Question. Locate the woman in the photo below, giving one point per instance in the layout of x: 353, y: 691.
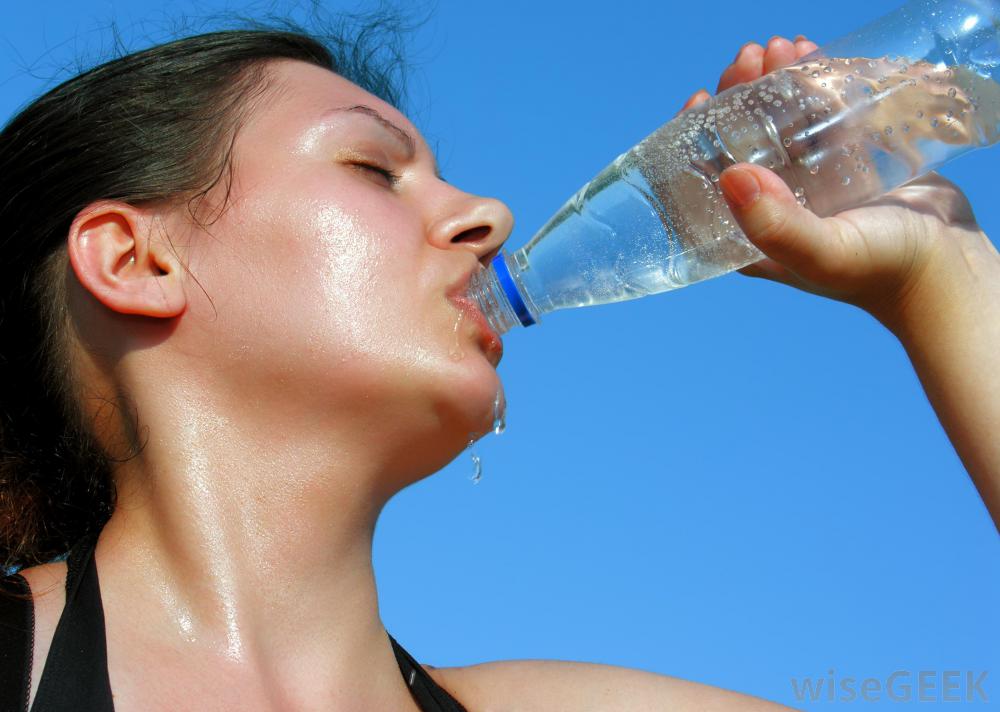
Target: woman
x: 245, y: 279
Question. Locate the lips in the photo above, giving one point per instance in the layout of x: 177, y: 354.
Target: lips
x: 488, y: 339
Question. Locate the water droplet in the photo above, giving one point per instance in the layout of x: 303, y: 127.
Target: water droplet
x: 814, y: 169
x: 477, y: 468
x: 846, y: 180
x: 787, y: 141
x: 952, y: 92
x: 456, y: 352
x: 499, y: 413
x: 815, y: 75
x: 934, y: 123
x: 848, y: 79
x: 801, y: 200
x: 828, y: 69
x: 799, y: 192
x: 920, y: 114
x: 906, y: 128
x: 888, y: 130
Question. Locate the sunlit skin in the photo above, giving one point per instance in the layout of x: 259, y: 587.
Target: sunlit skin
x: 304, y: 368
x: 308, y: 366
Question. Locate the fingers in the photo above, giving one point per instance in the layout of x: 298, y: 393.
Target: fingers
x: 780, y: 53
x: 696, y: 98
x: 747, y: 66
x: 753, y: 61
x: 810, y: 247
x: 803, y: 46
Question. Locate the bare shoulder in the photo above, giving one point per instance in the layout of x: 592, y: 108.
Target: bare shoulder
x: 48, y: 593
x: 558, y: 686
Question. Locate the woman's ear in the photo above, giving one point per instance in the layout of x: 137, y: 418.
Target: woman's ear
x: 119, y: 257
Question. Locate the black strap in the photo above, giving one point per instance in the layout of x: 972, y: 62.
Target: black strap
x: 17, y: 632
x: 429, y: 695
x: 75, y: 676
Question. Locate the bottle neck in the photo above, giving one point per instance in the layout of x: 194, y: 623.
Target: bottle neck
x: 498, y: 297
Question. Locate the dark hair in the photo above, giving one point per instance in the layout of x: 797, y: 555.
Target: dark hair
x: 154, y: 126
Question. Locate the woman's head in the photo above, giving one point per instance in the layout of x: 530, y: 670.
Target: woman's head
x: 226, y: 210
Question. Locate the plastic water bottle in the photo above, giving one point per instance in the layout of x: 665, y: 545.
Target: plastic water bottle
x: 858, y: 117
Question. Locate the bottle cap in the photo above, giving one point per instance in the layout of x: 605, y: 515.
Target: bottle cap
x: 506, y: 281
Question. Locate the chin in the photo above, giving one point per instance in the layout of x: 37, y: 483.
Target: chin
x: 461, y: 409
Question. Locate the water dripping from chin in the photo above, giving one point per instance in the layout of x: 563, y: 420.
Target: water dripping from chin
x: 499, y: 425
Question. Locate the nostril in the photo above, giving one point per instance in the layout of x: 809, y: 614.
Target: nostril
x: 472, y: 234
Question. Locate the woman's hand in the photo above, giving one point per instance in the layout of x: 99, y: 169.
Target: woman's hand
x: 915, y: 259
x: 874, y: 256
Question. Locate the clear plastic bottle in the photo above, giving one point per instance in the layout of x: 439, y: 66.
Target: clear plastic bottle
x: 858, y: 117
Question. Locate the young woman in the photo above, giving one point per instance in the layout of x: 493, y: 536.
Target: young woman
x: 230, y: 282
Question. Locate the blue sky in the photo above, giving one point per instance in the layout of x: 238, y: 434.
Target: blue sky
x: 735, y: 483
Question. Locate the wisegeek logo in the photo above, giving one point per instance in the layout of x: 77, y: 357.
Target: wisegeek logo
x: 901, y: 686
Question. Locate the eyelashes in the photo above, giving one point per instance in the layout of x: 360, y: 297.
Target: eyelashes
x: 387, y: 175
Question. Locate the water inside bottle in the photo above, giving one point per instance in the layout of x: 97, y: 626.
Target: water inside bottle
x: 839, y: 131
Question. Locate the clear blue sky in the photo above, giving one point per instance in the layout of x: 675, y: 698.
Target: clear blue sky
x: 735, y: 483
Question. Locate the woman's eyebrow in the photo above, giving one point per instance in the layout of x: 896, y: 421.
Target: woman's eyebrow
x: 405, y: 138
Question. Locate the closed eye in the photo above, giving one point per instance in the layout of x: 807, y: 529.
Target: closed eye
x: 390, y: 177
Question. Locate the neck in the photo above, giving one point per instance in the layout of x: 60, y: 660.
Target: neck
x: 243, y: 547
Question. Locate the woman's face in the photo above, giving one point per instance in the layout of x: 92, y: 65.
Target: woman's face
x: 336, y: 274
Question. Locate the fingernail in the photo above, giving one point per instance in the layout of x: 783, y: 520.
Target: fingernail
x: 799, y: 38
x: 740, y: 186
x: 740, y: 51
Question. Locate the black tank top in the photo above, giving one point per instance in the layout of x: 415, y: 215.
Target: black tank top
x: 75, y: 676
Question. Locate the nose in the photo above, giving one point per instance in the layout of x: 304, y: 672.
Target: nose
x: 473, y: 223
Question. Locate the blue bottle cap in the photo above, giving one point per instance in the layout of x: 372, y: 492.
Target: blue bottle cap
x: 506, y: 280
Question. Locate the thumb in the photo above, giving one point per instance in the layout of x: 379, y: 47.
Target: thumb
x: 772, y: 219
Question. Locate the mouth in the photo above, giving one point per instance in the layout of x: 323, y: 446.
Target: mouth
x: 489, y: 341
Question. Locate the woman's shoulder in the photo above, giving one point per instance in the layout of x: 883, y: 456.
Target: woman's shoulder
x: 546, y: 685
x: 48, y: 593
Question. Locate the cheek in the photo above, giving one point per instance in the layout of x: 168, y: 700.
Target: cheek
x: 346, y: 267
x: 355, y: 286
